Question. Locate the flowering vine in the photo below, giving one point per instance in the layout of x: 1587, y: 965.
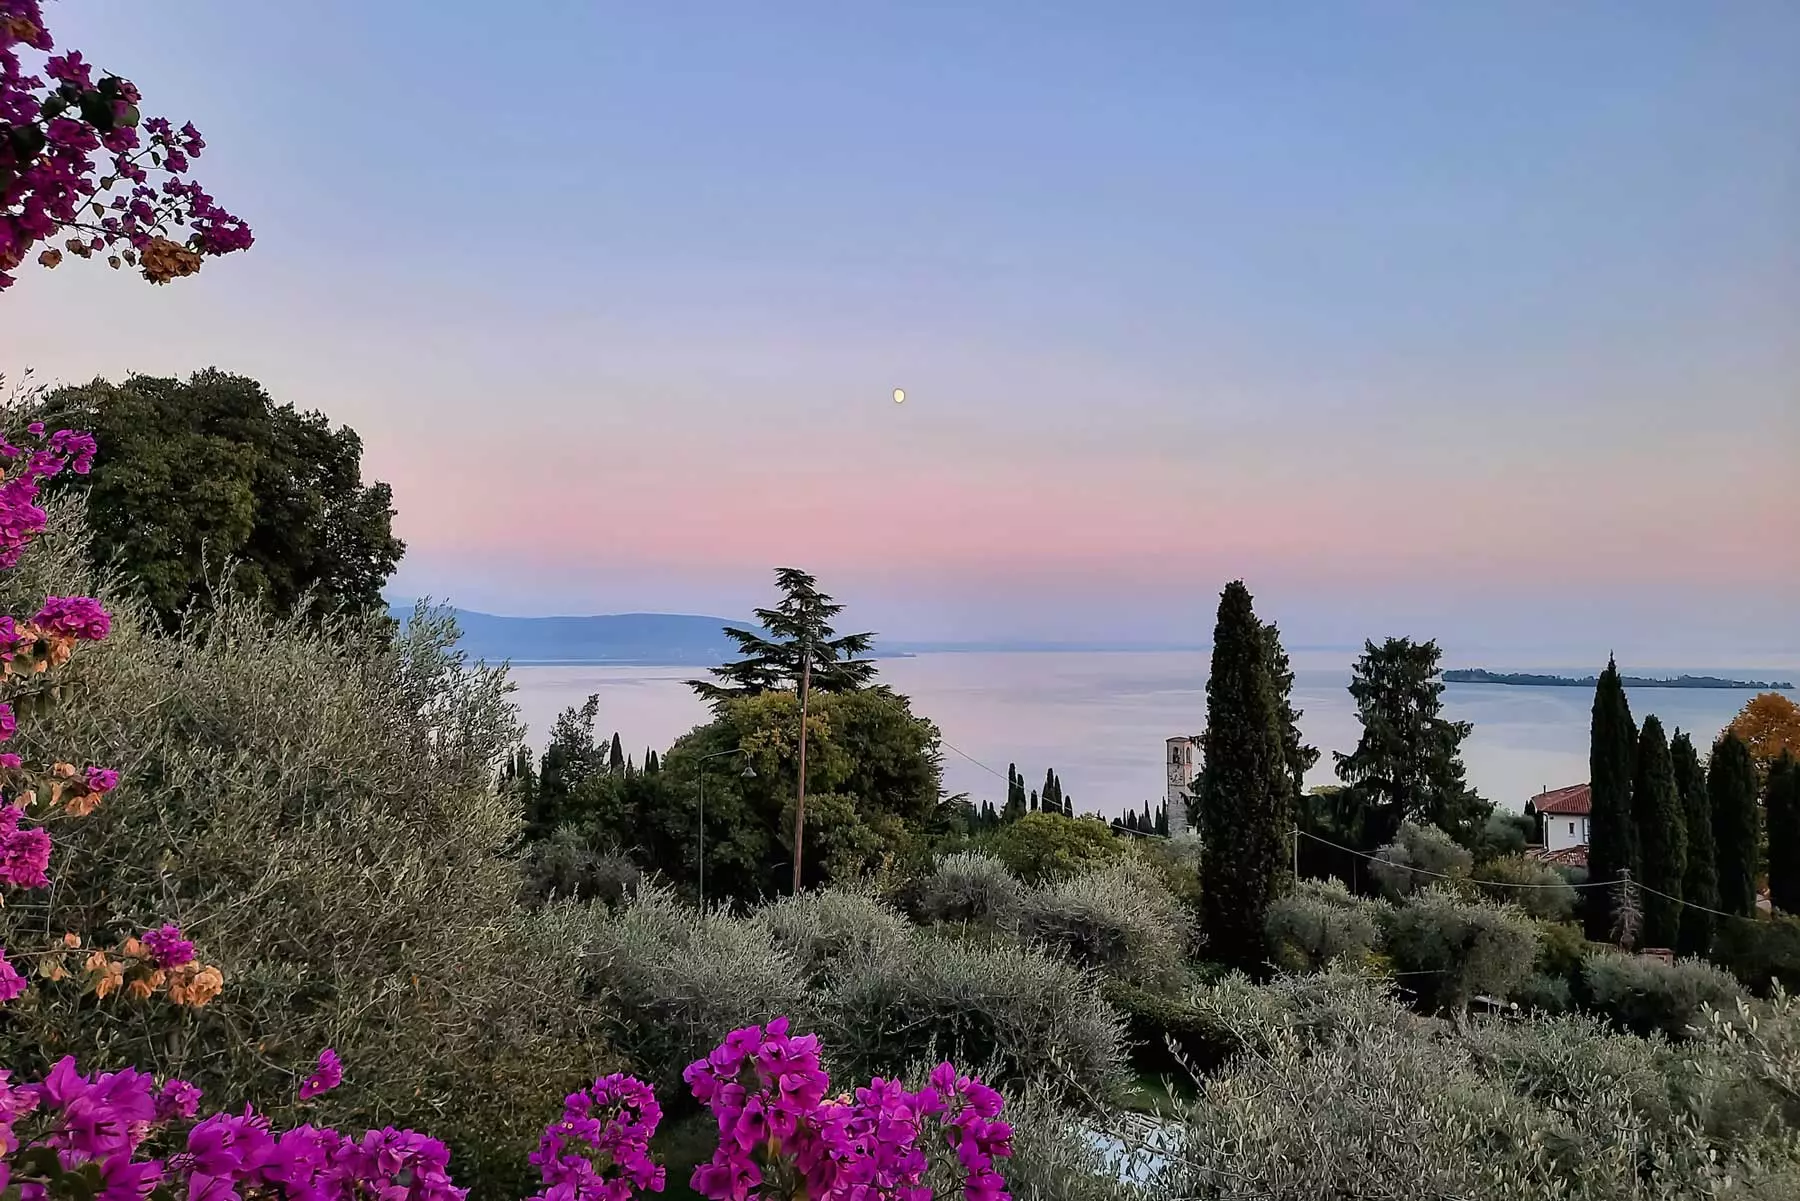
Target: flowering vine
x: 77, y: 158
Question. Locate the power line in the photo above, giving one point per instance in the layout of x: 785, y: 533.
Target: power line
x: 1440, y: 875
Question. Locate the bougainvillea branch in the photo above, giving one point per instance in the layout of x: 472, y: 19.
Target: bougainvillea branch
x: 82, y: 172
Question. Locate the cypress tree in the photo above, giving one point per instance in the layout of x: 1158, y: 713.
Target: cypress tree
x: 1034, y: 806
x: 1161, y: 824
x: 616, y: 760
x: 1731, y: 786
x: 1051, y: 804
x: 1781, y: 800
x: 1700, y: 884
x: 1015, y: 795
x: 1662, y: 835
x: 1300, y: 756
x: 1147, y: 823
x: 652, y: 763
x: 1244, y: 803
x: 1612, y: 840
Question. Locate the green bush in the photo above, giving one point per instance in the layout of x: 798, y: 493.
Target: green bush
x: 833, y: 926
x: 968, y: 887
x: 1043, y: 847
x: 565, y: 867
x: 1031, y: 1017
x: 1177, y: 860
x: 673, y: 982
x: 1458, y: 949
x: 1119, y: 919
x: 1642, y: 994
x: 1760, y: 952
x: 1432, y: 852
x: 1561, y: 949
x: 1545, y: 894
x: 1543, y: 993
x: 1371, y: 1102
x: 1319, y: 922
x: 314, y: 801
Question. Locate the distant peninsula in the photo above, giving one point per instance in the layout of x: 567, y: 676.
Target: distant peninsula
x: 1480, y: 675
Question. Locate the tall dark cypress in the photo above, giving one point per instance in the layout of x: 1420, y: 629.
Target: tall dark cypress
x: 1662, y: 835
x: 1781, y: 801
x: 1244, y: 785
x: 1700, y: 884
x: 1731, y: 785
x: 1162, y: 819
x: 616, y: 760
x: 1612, y: 841
x: 1015, y: 795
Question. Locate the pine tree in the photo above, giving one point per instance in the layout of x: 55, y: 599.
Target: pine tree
x: 1015, y: 795
x: 1731, y: 785
x: 1244, y: 803
x: 1662, y: 835
x: 1612, y: 836
x: 1700, y: 885
x: 1408, y: 763
x: 1781, y: 801
x: 615, y: 762
x: 1299, y: 756
x: 800, y: 630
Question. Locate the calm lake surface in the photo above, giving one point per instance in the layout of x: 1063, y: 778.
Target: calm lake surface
x: 1100, y: 718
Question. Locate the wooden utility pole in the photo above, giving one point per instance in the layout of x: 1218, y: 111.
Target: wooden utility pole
x: 800, y: 793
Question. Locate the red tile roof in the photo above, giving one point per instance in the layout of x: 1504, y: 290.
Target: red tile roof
x: 1573, y: 801
x: 1567, y: 857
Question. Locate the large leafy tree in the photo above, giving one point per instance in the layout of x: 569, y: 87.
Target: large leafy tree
x: 1781, y: 801
x: 1700, y: 882
x: 1662, y: 835
x: 208, y: 472
x: 1731, y: 785
x: 1244, y: 787
x: 1769, y: 724
x: 1612, y: 833
x: 797, y: 643
x: 1408, y: 763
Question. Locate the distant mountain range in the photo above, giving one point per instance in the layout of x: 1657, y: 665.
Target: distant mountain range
x: 1480, y: 675
x: 676, y: 639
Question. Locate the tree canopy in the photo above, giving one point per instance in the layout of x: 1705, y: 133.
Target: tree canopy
x: 1768, y: 724
x: 1408, y: 763
x: 796, y: 630
x: 206, y: 471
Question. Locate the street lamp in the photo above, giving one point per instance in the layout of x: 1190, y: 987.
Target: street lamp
x: 749, y: 773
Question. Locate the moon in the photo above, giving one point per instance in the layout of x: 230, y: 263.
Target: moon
x: 899, y: 396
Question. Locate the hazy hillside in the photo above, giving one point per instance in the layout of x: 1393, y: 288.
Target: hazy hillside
x: 624, y: 638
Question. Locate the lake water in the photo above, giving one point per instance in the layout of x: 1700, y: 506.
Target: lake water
x: 1100, y: 718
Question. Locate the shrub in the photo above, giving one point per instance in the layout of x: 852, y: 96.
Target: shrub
x: 1460, y: 949
x: 1177, y: 861
x: 1155, y: 1020
x: 1319, y: 922
x: 1026, y: 1016
x: 1561, y: 948
x: 1043, y: 847
x: 1544, y: 993
x: 968, y: 887
x: 835, y: 925
x: 1505, y: 833
x: 674, y: 982
x: 316, y: 803
x: 565, y: 867
x: 1760, y: 952
x: 1642, y: 994
x: 1434, y: 853
x: 1120, y: 920
x: 1545, y: 893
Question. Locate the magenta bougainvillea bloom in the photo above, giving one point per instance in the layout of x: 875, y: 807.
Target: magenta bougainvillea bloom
x: 599, y: 1150
x: 100, y: 780
x: 11, y: 983
x: 168, y: 949
x: 78, y: 617
x: 78, y: 162
x: 24, y: 853
x: 329, y: 1075
x: 8, y: 759
x: 9, y: 724
x: 178, y: 1099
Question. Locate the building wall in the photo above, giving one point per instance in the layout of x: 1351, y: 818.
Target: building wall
x: 1562, y: 831
x: 1179, y: 762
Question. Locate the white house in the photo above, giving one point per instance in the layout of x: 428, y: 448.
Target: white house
x: 1178, y: 758
x: 1562, y: 815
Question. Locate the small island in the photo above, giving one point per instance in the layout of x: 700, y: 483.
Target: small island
x: 1480, y: 675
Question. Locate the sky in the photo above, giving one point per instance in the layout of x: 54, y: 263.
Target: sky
x: 1479, y: 322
